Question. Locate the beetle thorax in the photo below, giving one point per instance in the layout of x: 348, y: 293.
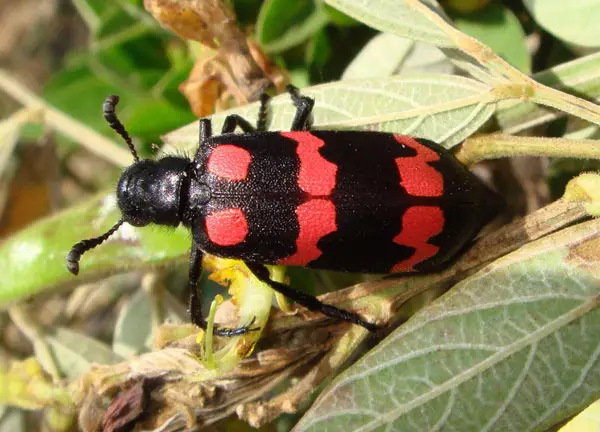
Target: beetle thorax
x: 150, y: 191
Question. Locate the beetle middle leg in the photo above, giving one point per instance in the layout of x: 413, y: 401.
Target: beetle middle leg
x: 308, y: 301
x: 234, y: 120
x: 304, y: 106
x: 195, y: 303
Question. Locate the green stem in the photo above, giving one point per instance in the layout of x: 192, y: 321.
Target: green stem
x: 132, y: 32
x: 73, y: 129
x: 565, y: 102
x: 483, y: 147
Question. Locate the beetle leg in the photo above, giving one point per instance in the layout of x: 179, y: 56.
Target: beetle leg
x: 195, y: 308
x: 304, y: 106
x: 205, y: 130
x: 308, y: 301
x: 261, y: 123
x: 205, y: 134
x: 195, y: 304
x: 232, y: 121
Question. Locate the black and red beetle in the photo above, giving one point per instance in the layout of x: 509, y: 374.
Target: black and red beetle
x: 355, y: 201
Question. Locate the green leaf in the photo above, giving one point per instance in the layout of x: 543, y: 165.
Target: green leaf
x: 387, y: 54
x: 580, y: 77
x: 277, y: 16
x: 65, y: 89
x: 133, y: 329
x: 338, y: 18
x: 13, y: 420
x: 145, y: 116
x: 90, y: 11
x: 575, y: 22
x: 497, y: 27
x: 443, y: 108
x: 513, y: 347
x: 150, y: 118
x: 75, y: 352
x: 319, y: 51
x: 283, y: 24
x: 424, y: 21
x: 113, y: 20
x: 299, y: 77
x: 425, y: 58
x: 398, y: 17
x: 380, y: 57
x: 33, y: 260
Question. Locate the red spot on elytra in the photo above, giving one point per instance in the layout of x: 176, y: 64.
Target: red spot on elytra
x: 419, y: 225
x: 317, y: 174
x: 317, y: 219
x: 418, y: 177
x: 229, y: 162
x: 227, y: 227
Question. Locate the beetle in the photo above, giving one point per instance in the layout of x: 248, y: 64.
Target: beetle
x: 355, y: 201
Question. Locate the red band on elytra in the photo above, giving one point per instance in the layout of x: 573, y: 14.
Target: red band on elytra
x: 317, y: 174
x: 229, y: 162
x: 419, y: 225
x: 227, y: 227
x: 418, y: 177
x: 317, y: 219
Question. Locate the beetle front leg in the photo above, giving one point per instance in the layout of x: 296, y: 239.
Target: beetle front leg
x: 205, y: 127
x: 308, y: 301
x: 195, y: 302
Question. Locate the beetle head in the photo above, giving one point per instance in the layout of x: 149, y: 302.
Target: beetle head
x: 148, y: 192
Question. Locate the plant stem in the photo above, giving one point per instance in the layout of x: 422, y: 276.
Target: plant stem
x: 566, y: 102
x: 73, y: 129
x: 495, y: 146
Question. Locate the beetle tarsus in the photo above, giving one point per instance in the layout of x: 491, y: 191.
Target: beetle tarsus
x: 229, y: 331
x: 236, y: 331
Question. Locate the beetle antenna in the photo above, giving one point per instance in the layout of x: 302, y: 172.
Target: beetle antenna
x: 83, y: 246
x: 110, y: 115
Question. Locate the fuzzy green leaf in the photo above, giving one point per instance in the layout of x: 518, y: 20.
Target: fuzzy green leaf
x: 33, y: 260
x: 497, y: 27
x: 513, y: 347
x: 575, y: 22
x: 446, y: 109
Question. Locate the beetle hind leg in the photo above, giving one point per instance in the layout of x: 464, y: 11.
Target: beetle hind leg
x: 308, y: 301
